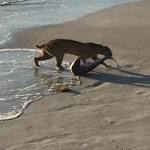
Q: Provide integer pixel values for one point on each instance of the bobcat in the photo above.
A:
(59, 47)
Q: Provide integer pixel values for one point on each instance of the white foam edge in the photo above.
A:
(18, 49)
(21, 49)
(13, 114)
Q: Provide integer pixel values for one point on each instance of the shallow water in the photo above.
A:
(21, 82)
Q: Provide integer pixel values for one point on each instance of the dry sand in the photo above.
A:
(112, 109)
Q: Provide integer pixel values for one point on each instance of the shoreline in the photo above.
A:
(112, 108)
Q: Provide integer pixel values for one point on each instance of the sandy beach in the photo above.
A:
(110, 110)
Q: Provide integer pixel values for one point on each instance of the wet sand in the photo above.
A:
(110, 110)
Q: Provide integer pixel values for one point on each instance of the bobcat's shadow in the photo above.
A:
(125, 78)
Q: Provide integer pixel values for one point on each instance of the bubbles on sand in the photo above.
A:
(21, 82)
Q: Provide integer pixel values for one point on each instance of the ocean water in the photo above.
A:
(20, 81)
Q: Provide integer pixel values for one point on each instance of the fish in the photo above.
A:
(79, 69)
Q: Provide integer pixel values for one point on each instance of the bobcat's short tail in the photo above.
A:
(43, 47)
(40, 46)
